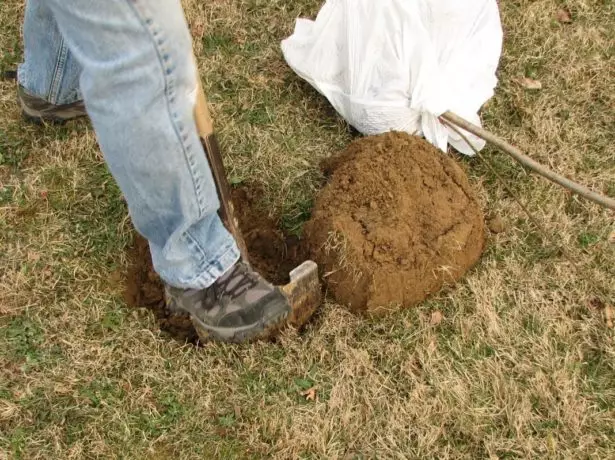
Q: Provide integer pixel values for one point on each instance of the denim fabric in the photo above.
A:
(131, 61)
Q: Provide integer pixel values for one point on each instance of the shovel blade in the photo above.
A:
(304, 293)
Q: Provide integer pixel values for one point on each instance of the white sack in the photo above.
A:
(398, 64)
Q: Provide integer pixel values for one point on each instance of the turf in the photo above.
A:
(519, 362)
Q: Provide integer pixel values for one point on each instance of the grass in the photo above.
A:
(522, 364)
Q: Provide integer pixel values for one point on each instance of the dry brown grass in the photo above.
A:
(522, 365)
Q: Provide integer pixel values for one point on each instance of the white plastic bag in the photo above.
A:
(398, 64)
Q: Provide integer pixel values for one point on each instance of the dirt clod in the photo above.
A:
(496, 225)
(272, 253)
(396, 221)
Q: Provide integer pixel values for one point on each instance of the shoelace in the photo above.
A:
(242, 279)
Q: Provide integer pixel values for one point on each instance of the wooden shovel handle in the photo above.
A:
(205, 127)
(202, 116)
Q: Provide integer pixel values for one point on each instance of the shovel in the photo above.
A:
(304, 291)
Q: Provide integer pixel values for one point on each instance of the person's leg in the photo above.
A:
(138, 83)
(49, 71)
(49, 76)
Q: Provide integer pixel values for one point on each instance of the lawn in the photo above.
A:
(517, 361)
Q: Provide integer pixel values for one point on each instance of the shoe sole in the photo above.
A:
(261, 330)
(38, 117)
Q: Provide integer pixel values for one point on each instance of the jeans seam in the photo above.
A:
(206, 272)
(167, 73)
(195, 245)
(58, 73)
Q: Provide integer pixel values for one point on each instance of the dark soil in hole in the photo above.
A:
(396, 221)
(271, 252)
(144, 289)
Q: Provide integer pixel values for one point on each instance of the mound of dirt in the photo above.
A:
(395, 222)
(271, 252)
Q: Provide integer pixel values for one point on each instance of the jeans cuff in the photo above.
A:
(218, 266)
(24, 83)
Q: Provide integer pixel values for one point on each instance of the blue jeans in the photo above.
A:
(131, 62)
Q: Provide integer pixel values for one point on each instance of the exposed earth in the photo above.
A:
(396, 221)
(271, 252)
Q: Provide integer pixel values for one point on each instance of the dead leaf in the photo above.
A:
(237, 411)
(436, 317)
(529, 83)
(310, 395)
(609, 316)
(611, 238)
(563, 16)
(198, 29)
(595, 304)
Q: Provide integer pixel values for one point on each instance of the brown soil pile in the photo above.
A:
(271, 252)
(396, 221)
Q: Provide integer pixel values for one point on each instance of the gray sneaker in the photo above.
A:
(239, 307)
(39, 110)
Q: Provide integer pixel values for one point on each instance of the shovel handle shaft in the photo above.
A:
(202, 116)
(528, 162)
(205, 127)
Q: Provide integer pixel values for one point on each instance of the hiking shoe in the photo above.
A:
(239, 307)
(38, 110)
